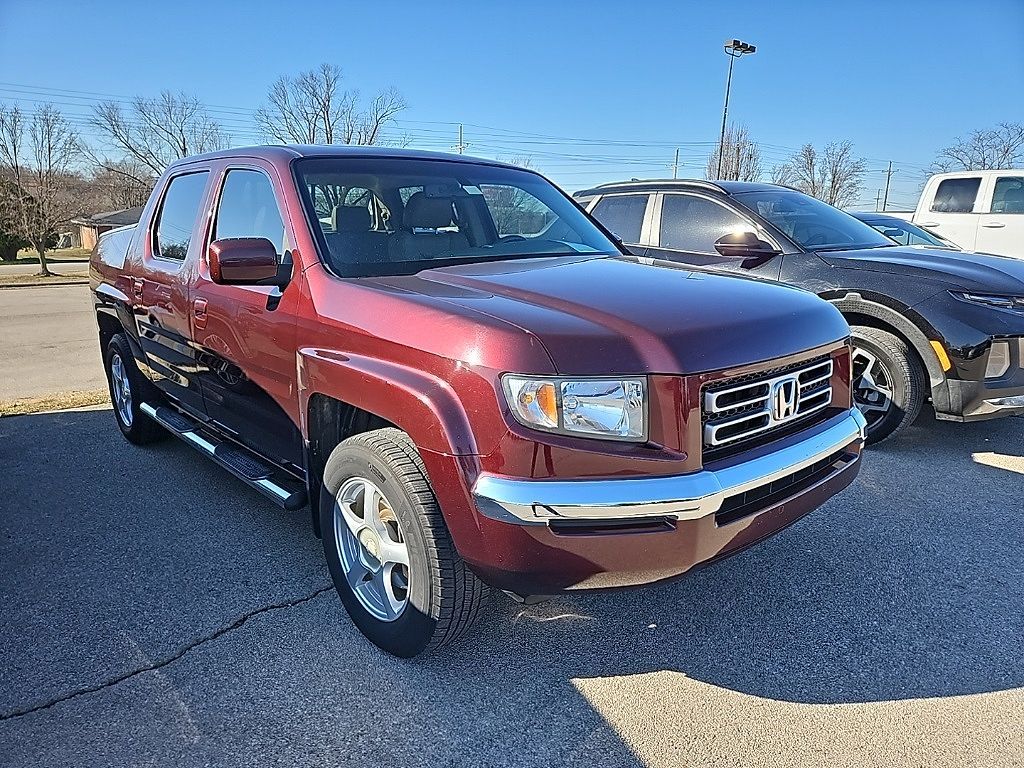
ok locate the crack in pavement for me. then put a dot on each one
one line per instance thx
(159, 663)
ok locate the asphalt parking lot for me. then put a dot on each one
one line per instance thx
(157, 612)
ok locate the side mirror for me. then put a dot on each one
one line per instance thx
(246, 261)
(745, 245)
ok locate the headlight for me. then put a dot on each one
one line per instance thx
(610, 408)
(991, 300)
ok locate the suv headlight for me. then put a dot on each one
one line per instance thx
(991, 300)
(609, 408)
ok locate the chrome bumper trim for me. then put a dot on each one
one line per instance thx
(683, 497)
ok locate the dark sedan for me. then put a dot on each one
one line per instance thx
(928, 323)
(903, 232)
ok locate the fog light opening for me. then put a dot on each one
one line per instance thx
(998, 360)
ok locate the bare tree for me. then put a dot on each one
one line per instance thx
(999, 147)
(124, 184)
(41, 190)
(152, 133)
(313, 108)
(833, 175)
(741, 158)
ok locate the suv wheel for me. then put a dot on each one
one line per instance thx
(388, 549)
(888, 383)
(128, 388)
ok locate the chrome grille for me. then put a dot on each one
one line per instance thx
(740, 408)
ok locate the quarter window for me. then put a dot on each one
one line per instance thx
(956, 195)
(1008, 196)
(178, 215)
(248, 208)
(623, 215)
(693, 224)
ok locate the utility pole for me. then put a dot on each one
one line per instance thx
(888, 178)
(735, 49)
(462, 146)
(878, 196)
(675, 165)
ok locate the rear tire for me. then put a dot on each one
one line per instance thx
(388, 549)
(128, 390)
(888, 382)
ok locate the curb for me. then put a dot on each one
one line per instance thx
(44, 285)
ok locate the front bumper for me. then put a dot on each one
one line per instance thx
(542, 537)
(680, 497)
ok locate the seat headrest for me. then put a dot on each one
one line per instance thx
(422, 212)
(350, 218)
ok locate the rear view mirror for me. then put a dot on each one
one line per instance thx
(245, 261)
(745, 245)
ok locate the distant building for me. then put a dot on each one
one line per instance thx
(90, 228)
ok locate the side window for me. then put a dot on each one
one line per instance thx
(515, 211)
(956, 195)
(177, 216)
(693, 224)
(1008, 196)
(623, 215)
(248, 208)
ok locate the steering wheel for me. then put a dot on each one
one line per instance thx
(512, 238)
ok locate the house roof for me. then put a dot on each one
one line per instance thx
(121, 218)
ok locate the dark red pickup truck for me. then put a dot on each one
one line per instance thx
(466, 378)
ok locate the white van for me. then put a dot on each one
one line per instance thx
(980, 211)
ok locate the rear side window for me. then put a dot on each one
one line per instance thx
(248, 208)
(956, 195)
(178, 214)
(693, 224)
(623, 215)
(1008, 196)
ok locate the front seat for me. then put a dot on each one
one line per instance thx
(419, 238)
(352, 240)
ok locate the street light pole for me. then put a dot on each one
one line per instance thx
(735, 49)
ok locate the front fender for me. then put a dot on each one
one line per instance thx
(422, 405)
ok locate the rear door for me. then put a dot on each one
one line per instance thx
(1001, 228)
(161, 288)
(954, 209)
(626, 216)
(245, 334)
(687, 226)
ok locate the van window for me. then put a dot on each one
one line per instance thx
(1008, 196)
(622, 215)
(956, 195)
(178, 215)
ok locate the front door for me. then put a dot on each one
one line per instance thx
(1001, 230)
(687, 227)
(161, 290)
(245, 333)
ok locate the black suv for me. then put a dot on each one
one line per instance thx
(927, 323)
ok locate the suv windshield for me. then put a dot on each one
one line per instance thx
(810, 223)
(394, 216)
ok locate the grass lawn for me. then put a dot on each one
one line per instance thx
(56, 402)
(28, 256)
(71, 277)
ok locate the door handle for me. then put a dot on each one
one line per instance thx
(993, 224)
(931, 224)
(199, 312)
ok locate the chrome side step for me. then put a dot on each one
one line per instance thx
(275, 484)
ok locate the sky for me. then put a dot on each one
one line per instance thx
(590, 92)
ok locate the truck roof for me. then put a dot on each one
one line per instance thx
(285, 152)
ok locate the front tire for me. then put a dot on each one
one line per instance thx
(888, 382)
(388, 549)
(128, 388)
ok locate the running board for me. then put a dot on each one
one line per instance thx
(272, 482)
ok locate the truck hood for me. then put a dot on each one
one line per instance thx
(957, 269)
(616, 316)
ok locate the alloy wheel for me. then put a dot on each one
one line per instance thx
(872, 386)
(122, 389)
(371, 548)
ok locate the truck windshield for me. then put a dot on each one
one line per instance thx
(810, 223)
(394, 216)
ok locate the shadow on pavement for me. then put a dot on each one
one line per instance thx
(909, 585)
